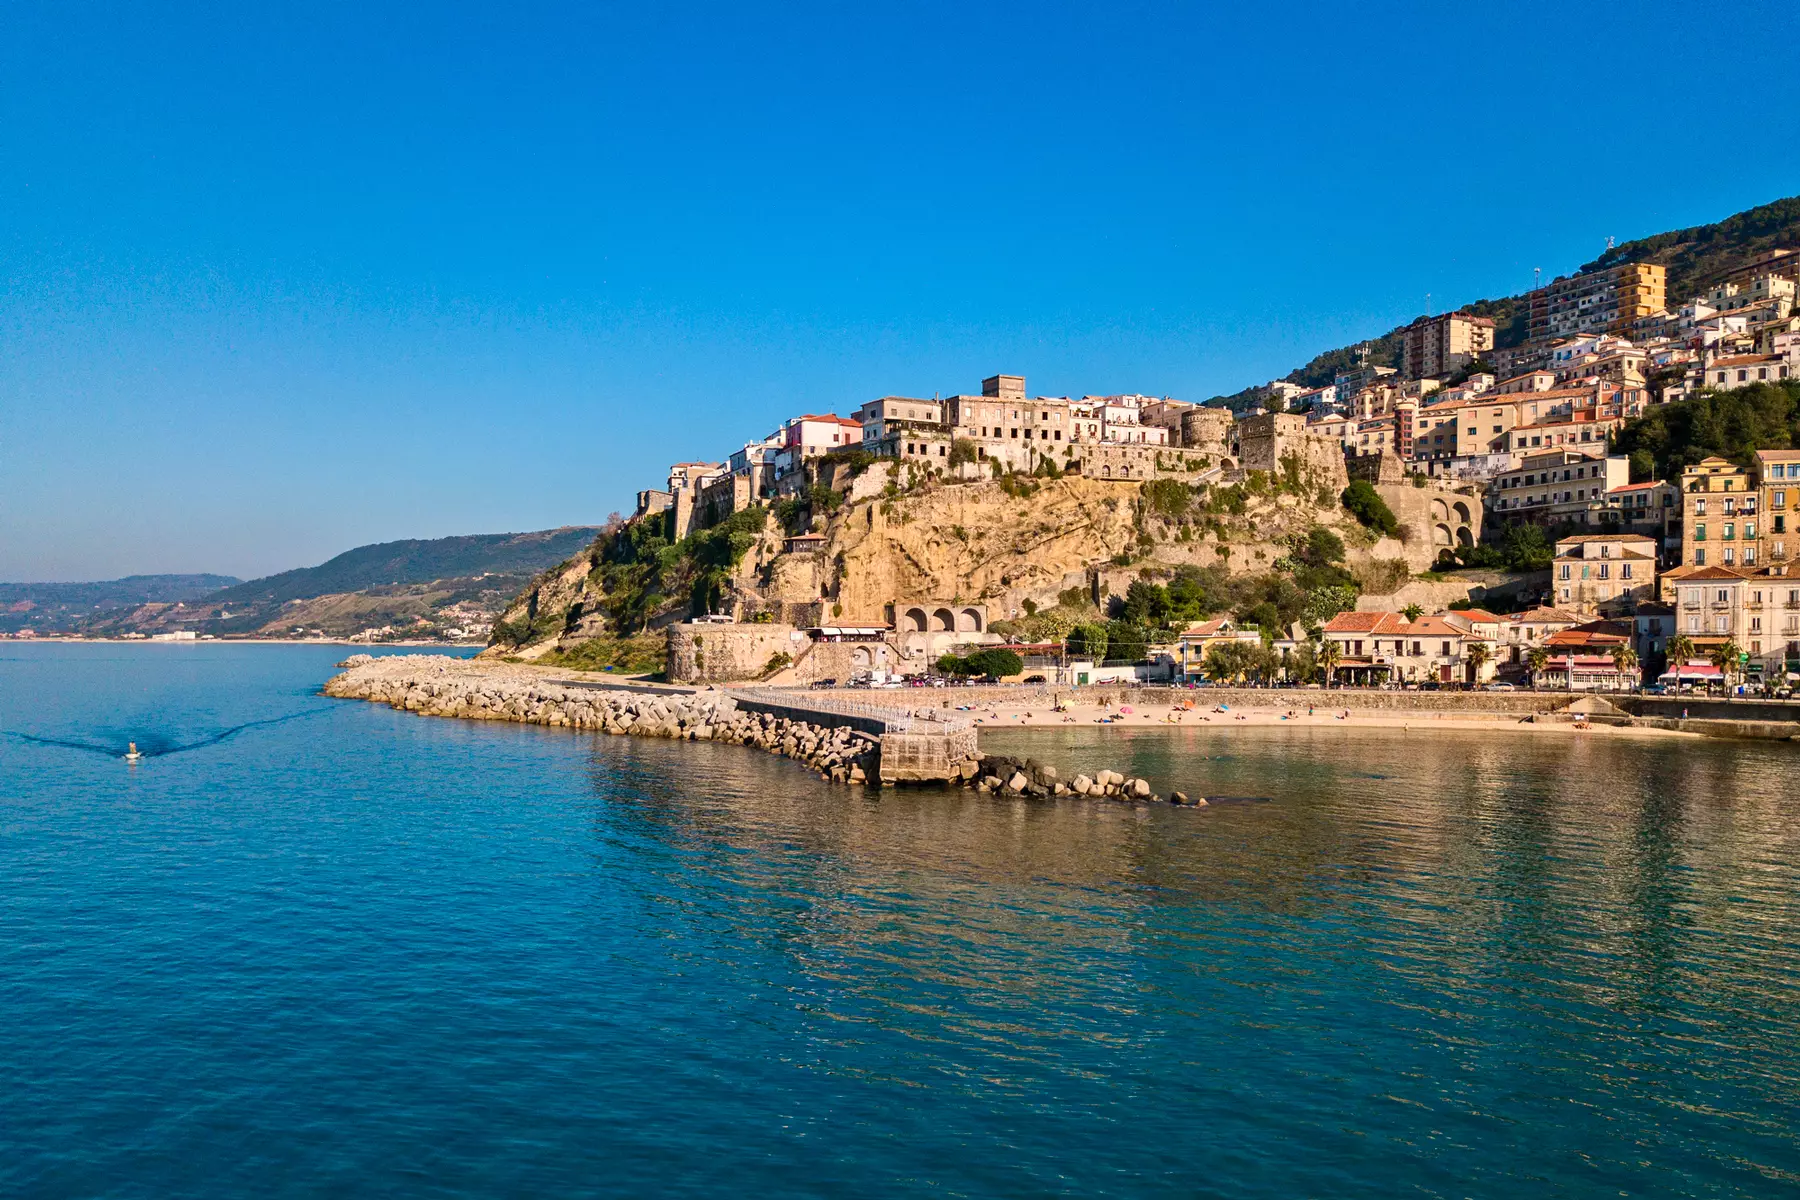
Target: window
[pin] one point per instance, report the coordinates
(1699, 533)
(1699, 558)
(1565, 570)
(1699, 508)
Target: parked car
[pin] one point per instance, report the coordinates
(1499, 687)
(824, 683)
(1035, 679)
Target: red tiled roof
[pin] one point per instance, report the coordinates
(1474, 614)
(1366, 622)
(831, 419)
(1707, 573)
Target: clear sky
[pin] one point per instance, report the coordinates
(277, 284)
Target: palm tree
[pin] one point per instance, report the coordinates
(1625, 661)
(1725, 656)
(1330, 654)
(1537, 658)
(1412, 612)
(1678, 651)
(1479, 655)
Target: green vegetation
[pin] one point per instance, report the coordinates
(1733, 425)
(996, 663)
(638, 570)
(637, 654)
(1520, 547)
(963, 450)
(1363, 502)
(1087, 641)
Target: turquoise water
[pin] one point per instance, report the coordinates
(350, 951)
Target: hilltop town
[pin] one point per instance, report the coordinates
(1474, 514)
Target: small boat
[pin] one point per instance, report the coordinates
(132, 754)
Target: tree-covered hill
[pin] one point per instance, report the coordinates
(415, 561)
(1733, 425)
(1697, 258)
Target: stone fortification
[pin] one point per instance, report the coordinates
(712, 653)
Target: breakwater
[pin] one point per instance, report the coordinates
(844, 747)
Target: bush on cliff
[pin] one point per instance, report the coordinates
(1363, 502)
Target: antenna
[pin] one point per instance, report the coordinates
(1610, 242)
(1428, 304)
(1537, 278)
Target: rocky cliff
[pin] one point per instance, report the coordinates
(1015, 544)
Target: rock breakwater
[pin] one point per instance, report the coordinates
(437, 686)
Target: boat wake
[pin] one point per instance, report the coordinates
(151, 746)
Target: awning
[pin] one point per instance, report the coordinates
(1692, 671)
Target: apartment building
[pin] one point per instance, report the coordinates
(1608, 300)
(1741, 370)
(1759, 611)
(1557, 486)
(1579, 429)
(1652, 508)
(1433, 346)
(1007, 425)
(1720, 515)
(905, 428)
(1604, 573)
(1778, 495)
(1374, 647)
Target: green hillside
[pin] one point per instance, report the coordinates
(49, 606)
(385, 564)
(1697, 258)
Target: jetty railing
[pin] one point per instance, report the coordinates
(897, 717)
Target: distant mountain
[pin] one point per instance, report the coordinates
(414, 588)
(67, 605)
(386, 564)
(1697, 258)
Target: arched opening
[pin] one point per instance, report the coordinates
(942, 621)
(913, 621)
(1440, 535)
(1462, 536)
(1462, 512)
(859, 657)
(969, 620)
(1106, 472)
(1440, 511)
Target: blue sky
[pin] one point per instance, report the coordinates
(277, 284)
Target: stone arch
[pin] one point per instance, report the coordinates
(1440, 535)
(969, 620)
(1462, 536)
(913, 621)
(943, 621)
(1439, 510)
(1106, 471)
(1462, 511)
(859, 657)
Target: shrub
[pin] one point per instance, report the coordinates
(1087, 640)
(1364, 503)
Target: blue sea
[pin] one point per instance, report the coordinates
(314, 947)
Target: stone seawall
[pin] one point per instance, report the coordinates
(435, 686)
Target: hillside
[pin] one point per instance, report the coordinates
(413, 588)
(1042, 554)
(65, 605)
(1697, 258)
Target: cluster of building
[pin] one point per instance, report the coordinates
(1121, 437)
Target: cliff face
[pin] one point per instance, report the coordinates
(995, 542)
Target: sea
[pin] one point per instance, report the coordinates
(316, 947)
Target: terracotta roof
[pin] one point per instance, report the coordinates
(1434, 627)
(1711, 573)
(1367, 622)
(1746, 360)
(1208, 628)
(1637, 487)
(1474, 614)
(1583, 538)
(1543, 616)
(830, 419)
